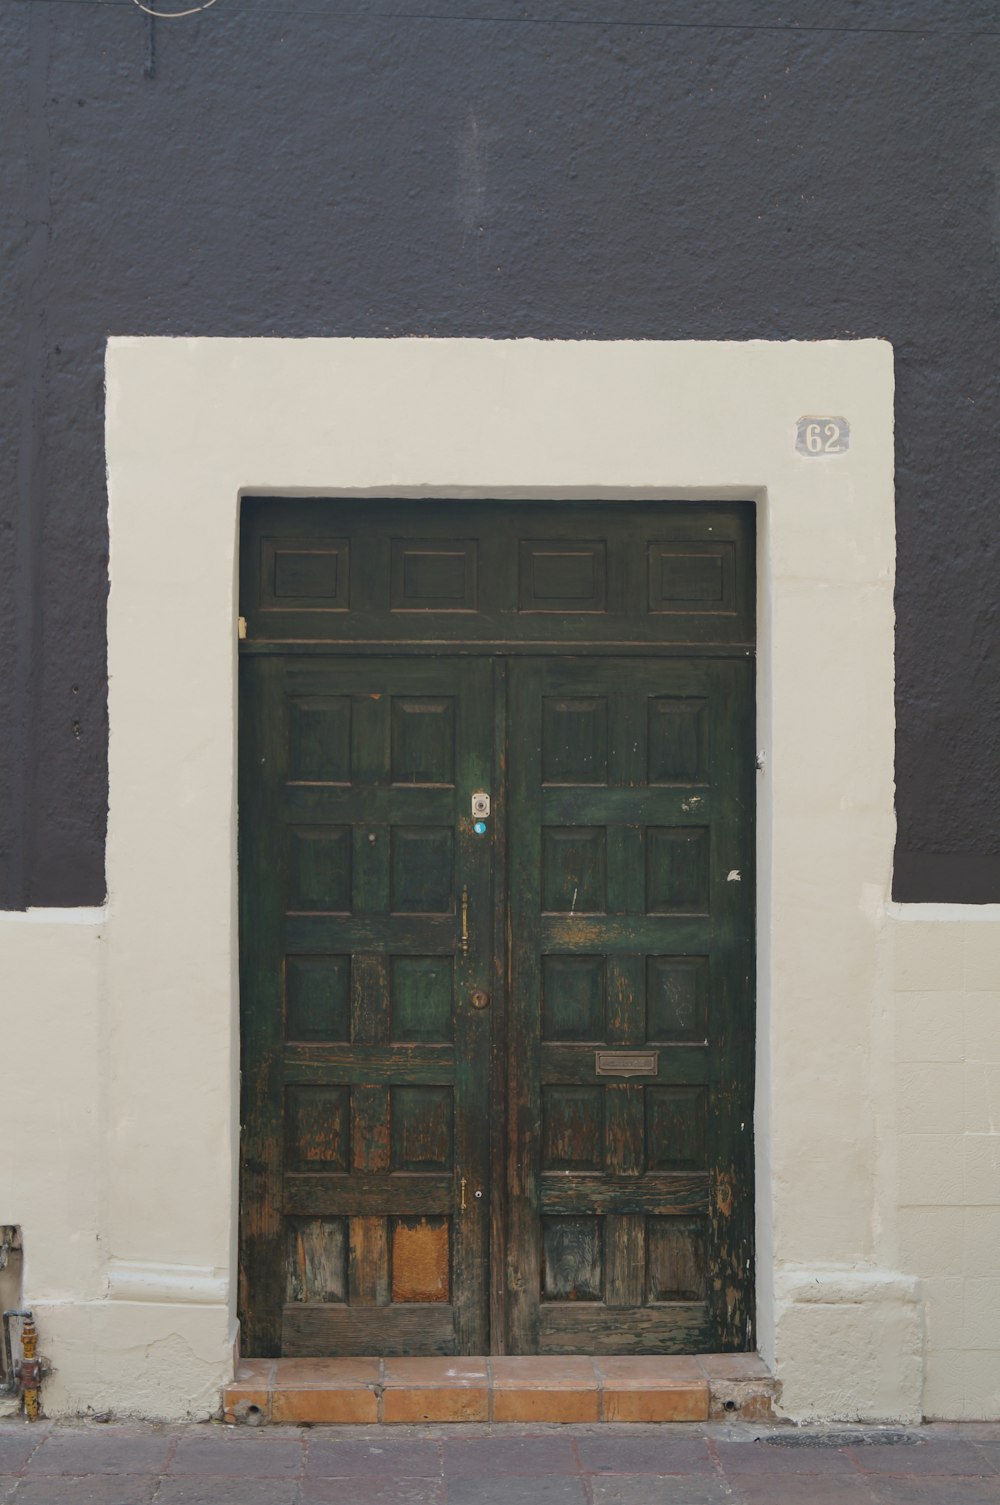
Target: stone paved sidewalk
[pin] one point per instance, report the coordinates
(118, 1464)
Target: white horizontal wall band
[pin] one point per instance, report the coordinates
(141, 1280)
(928, 914)
(845, 1285)
(85, 915)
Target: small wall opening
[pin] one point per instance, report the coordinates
(11, 1277)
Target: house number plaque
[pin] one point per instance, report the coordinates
(632, 1063)
(822, 436)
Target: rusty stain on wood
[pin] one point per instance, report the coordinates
(420, 1258)
(578, 931)
(368, 1267)
(620, 1000)
(572, 1127)
(677, 1259)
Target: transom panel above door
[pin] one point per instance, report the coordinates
(401, 576)
(496, 789)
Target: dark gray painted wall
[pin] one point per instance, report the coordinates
(305, 167)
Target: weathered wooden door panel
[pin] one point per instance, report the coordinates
(365, 1066)
(631, 1005)
(591, 668)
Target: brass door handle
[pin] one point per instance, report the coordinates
(463, 944)
(462, 1203)
(479, 998)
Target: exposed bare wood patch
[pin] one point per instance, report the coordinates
(315, 1263)
(420, 1260)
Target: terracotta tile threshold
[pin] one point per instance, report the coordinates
(535, 1389)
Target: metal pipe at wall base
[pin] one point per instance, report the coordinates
(25, 1376)
(30, 1373)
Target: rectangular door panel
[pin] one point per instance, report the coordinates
(365, 1068)
(630, 1167)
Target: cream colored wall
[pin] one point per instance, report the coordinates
(54, 1130)
(137, 1031)
(946, 1051)
(140, 1348)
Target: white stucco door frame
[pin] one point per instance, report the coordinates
(192, 424)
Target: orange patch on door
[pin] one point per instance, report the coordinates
(420, 1260)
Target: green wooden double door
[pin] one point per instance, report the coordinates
(497, 1008)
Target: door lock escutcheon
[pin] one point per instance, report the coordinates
(480, 805)
(479, 998)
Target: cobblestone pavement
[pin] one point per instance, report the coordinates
(79, 1463)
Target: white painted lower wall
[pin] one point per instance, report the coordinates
(127, 1338)
(916, 1333)
(878, 1171)
(945, 1009)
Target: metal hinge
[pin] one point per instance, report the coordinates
(241, 628)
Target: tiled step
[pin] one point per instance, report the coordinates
(571, 1389)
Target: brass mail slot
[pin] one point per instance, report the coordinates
(627, 1063)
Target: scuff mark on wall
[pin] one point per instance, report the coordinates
(471, 184)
